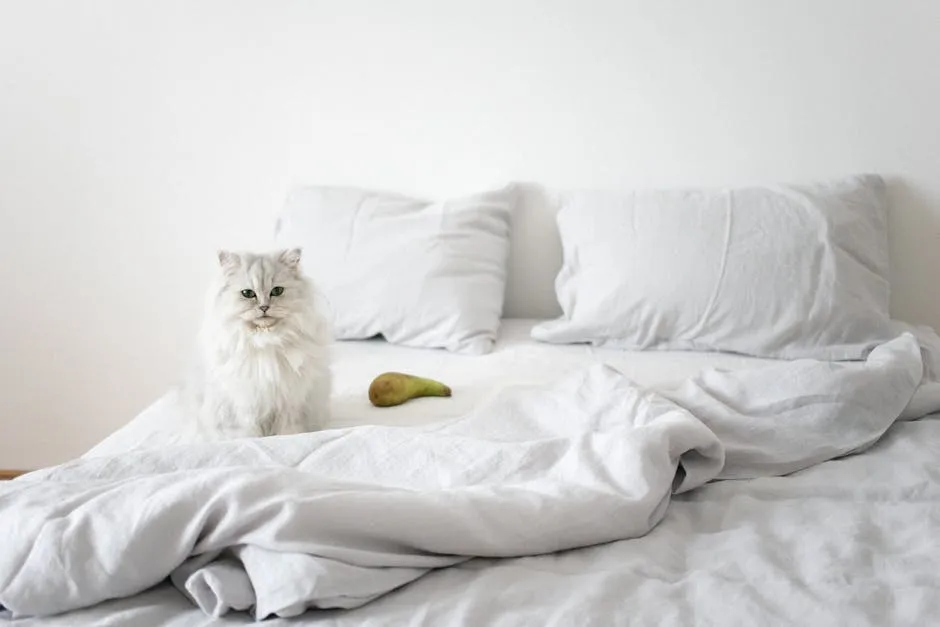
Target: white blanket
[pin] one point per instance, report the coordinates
(337, 518)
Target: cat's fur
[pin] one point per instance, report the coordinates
(260, 372)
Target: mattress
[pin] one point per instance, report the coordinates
(516, 360)
(849, 541)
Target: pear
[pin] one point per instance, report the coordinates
(394, 388)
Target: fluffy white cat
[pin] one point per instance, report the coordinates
(263, 366)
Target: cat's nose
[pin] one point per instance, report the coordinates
(264, 308)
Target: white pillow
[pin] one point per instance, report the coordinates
(420, 273)
(786, 271)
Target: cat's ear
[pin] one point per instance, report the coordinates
(291, 257)
(228, 260)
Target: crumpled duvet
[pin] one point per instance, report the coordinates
(335, 519)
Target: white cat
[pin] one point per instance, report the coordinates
(264, 364)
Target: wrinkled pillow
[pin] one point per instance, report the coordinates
(785, 271)
(420, 273)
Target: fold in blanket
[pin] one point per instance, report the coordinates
(335, 519)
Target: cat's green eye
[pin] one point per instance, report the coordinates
(248, 293)
(277, 291)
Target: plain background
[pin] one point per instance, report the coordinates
(137, 137)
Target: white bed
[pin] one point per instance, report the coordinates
(561, 484)
(850, 541)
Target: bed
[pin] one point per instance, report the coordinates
(563, 483)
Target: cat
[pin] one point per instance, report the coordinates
(263, 364)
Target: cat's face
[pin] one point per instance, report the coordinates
(261, 290)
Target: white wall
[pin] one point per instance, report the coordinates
(136, 137)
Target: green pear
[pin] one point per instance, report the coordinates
(394, 388)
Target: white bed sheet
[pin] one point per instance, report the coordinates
(516, 359)
(848, 542)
